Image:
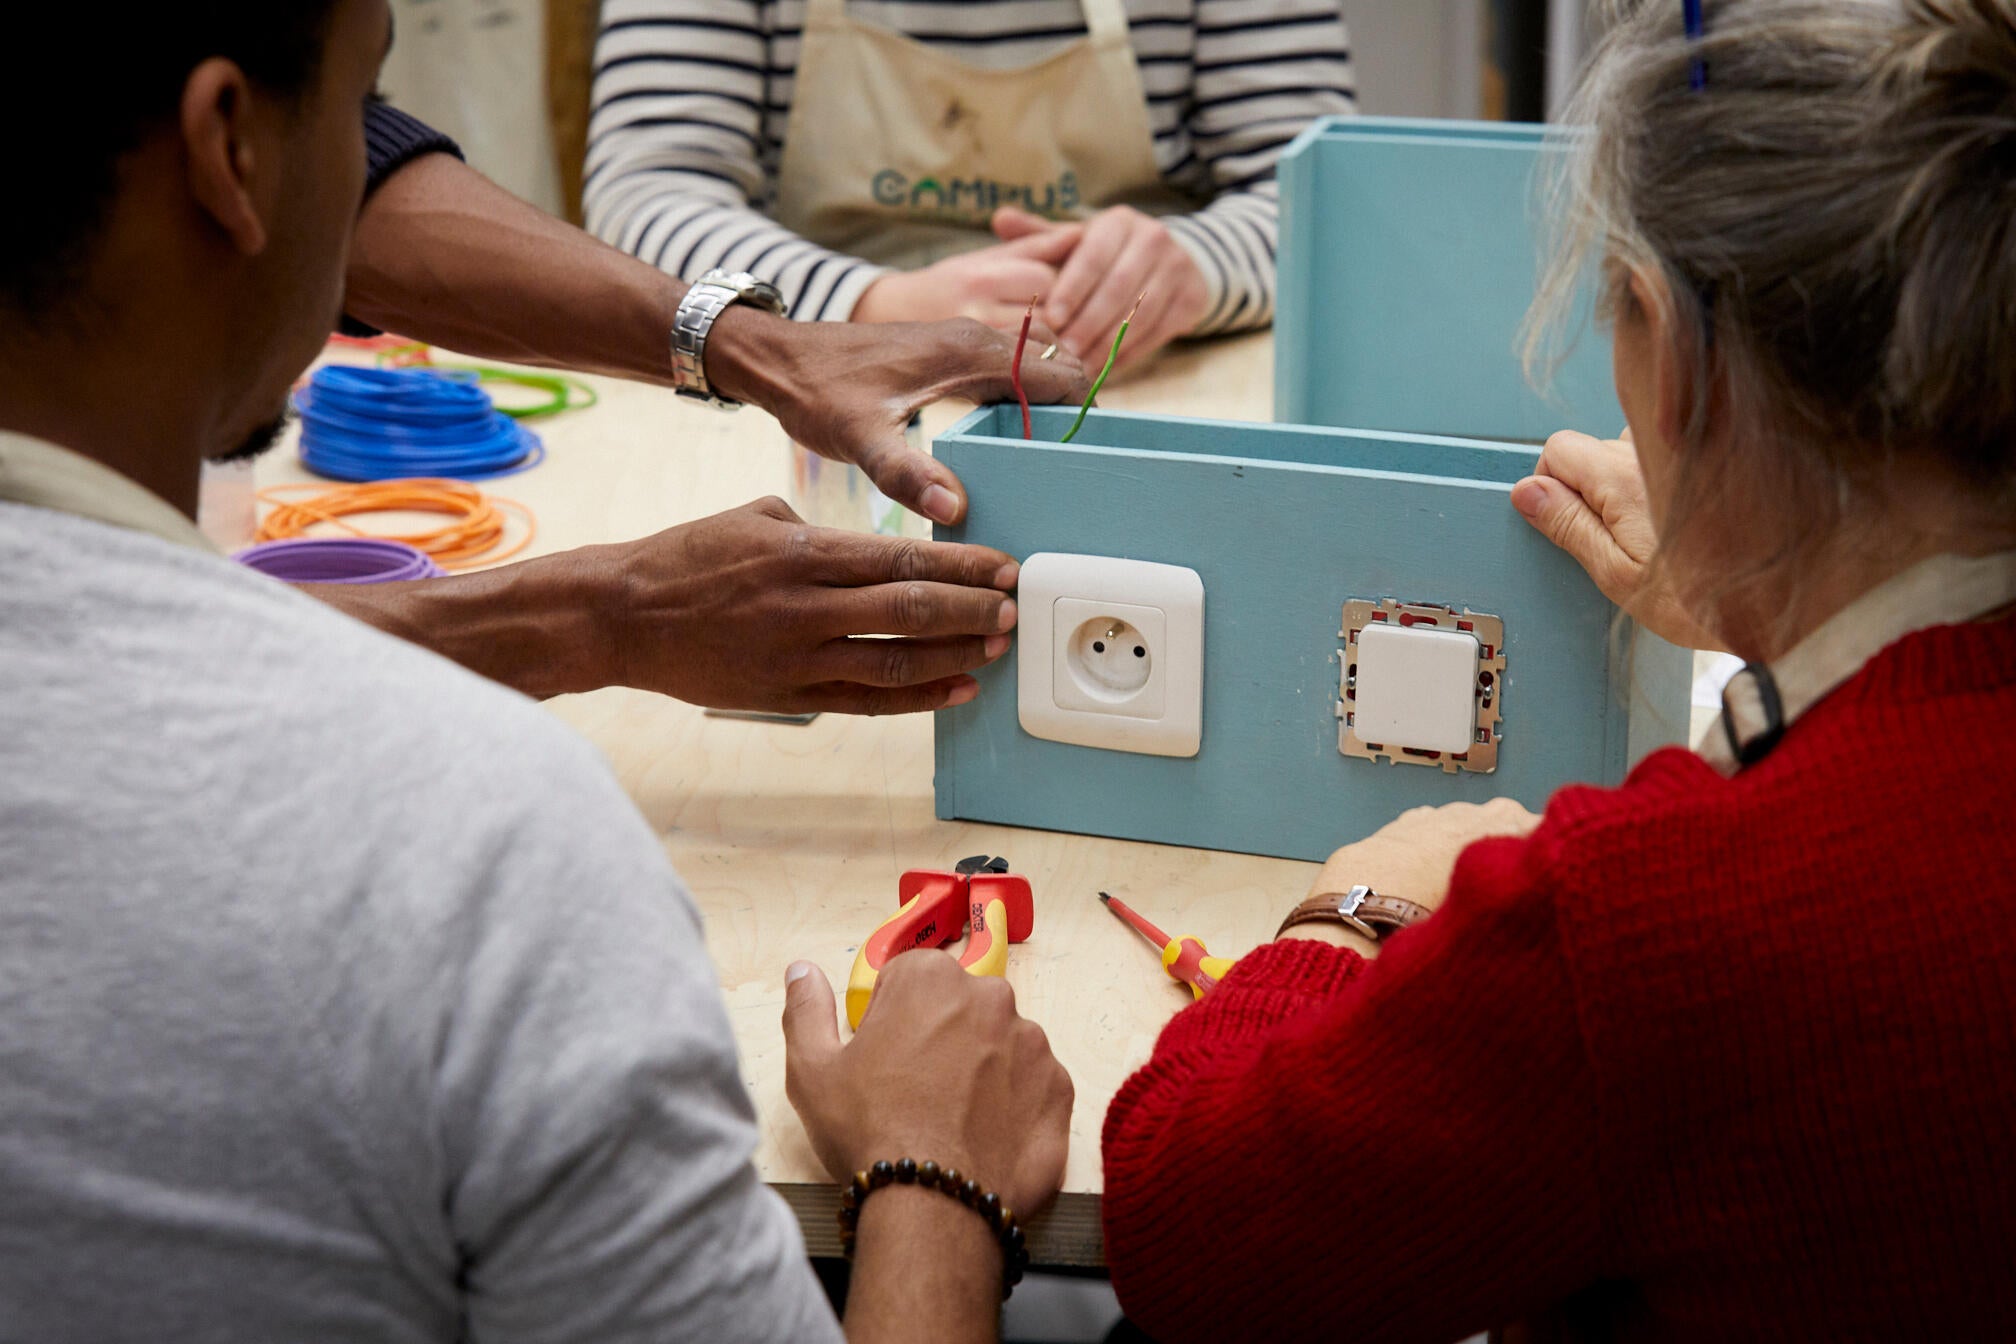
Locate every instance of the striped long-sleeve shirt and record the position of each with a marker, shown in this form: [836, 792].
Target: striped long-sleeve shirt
[692, 98]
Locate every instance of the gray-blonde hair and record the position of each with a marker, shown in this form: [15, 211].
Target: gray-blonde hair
[1833, 218]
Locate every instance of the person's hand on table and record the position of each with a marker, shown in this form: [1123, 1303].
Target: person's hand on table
[848, 391]
[1122, 255]
[1587, 496]
[756, 609]
[943, 1068]
[990, 284]
[1412, 857]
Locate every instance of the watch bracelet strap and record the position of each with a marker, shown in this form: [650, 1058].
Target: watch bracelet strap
[704, 302]
[1375, 917]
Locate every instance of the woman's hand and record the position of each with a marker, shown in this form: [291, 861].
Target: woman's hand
[1122, 256]
[1413, 856]
[992, 285]
[1587, 496]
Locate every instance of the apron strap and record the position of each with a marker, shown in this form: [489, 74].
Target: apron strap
[825, 13]
[1104, 19]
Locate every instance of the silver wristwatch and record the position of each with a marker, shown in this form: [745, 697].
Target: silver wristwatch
[709, 297]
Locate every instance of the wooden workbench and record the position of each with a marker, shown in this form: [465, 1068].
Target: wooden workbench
[792, 837]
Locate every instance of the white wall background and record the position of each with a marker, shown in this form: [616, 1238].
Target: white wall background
[1424, 58]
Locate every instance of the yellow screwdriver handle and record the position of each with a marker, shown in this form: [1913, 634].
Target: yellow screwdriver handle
[1215, 967]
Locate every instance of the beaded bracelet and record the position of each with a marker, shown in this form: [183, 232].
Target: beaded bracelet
[907, 1171]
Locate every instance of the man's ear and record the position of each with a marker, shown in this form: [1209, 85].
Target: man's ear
[217, 110]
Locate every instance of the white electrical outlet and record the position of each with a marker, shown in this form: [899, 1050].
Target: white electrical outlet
[1111, 653]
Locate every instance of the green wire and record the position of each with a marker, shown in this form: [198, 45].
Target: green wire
[561, 391]
[1097, 383]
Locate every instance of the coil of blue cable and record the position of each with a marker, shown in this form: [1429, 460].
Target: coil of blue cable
[385, 424]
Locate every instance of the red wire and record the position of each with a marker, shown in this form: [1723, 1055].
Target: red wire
[1015, 371]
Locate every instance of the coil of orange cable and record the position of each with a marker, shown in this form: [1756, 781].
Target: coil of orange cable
[481, 526]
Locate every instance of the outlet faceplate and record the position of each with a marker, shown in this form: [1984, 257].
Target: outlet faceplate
[1111, 654]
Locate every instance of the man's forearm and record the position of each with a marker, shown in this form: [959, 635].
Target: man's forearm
[444, 255]
[535, 626]
[927, 1272]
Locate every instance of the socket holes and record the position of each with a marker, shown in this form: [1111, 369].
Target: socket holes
[1109, 659]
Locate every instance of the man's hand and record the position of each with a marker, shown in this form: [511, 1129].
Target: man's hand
[1587, 496]
[942, 1069]
[1122, 256]
[991, 285]
[756, 609]
[749, 609]
[847, 391]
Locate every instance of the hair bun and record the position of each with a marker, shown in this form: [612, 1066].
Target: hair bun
[1949, 120]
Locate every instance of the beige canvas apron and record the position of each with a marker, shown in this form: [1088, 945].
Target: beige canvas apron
[900, 154]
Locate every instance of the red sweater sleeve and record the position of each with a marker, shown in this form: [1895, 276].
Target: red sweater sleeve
[1395, 1150]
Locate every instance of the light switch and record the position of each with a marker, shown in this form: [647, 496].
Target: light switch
[1416, 687]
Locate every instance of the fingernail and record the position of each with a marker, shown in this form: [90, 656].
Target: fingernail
[1007, 615]
[996, 645]
[798, 971]
[1529, 497]
[962, 694]
[941, 505]
[1005, 577]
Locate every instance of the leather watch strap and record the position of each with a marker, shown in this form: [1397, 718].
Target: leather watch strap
[1361, 909]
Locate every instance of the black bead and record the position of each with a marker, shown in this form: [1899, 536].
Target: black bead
[927, 1174]
[950, 1180]
[969, 1192]
[906, 1171]
[880, 1175]
[849, 1217]
[989, 1208]
[1016, 1241]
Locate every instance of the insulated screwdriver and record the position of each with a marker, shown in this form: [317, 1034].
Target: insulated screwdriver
[1184, 958]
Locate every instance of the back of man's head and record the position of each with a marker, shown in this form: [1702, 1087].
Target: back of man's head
[89, 83]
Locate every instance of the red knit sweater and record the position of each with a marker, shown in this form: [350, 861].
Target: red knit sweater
[1701, 1059]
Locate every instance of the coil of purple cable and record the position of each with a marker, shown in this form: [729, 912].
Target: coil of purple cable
[339, 560]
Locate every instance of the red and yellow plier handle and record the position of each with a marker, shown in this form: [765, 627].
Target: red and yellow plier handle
[980, 899]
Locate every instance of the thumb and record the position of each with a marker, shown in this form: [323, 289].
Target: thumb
[811, 1020]
[1565, 518]
[1011, 222]
[917, 481]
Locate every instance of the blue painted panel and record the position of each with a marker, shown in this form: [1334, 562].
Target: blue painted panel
[1284, 524]
[1408, 259]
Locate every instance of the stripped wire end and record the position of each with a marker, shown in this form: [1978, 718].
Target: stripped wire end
[1015, 368]
[1106, 372]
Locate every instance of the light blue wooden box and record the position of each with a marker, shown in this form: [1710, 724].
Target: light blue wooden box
[1285, 524]
[1408, 257]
